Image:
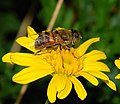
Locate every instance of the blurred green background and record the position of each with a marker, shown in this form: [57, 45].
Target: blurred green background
[93, 18]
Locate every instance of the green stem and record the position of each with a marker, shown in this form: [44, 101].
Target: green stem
[47, 102]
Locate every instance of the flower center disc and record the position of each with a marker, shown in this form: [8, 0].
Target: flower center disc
[63, 62]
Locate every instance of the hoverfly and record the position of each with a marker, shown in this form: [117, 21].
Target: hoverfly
[57, 37]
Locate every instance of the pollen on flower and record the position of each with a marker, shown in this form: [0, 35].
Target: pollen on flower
[32, 44]
[66, 62]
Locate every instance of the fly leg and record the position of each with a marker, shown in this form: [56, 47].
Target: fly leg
[40, 50]
[61, 55]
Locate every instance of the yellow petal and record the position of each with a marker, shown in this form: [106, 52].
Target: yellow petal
[117, 63]
[31, 74]
[94, 56]
[95, 66]
[25, 59]
[61, 82]
[111, 84]
[31, 33]
[65, 92]
[52, 89]
[84, 46]
[58, 63]
[117, 76]
[80, 90]
[89, 77]
[7, 58]
[99, 75]
[27, 43]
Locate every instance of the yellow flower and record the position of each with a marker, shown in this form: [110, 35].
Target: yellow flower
[117, 63]
[65, 66]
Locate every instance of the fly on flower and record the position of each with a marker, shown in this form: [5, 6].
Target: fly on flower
[57, 37]
[65, 66]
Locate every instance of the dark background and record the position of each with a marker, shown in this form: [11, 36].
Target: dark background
[93, 18]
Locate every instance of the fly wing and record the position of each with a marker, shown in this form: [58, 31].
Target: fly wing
[65, 35]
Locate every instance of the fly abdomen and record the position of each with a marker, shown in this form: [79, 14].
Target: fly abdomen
[38, 42]
[41, 41]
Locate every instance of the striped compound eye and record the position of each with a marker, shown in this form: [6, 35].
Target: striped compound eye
[76, 36]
